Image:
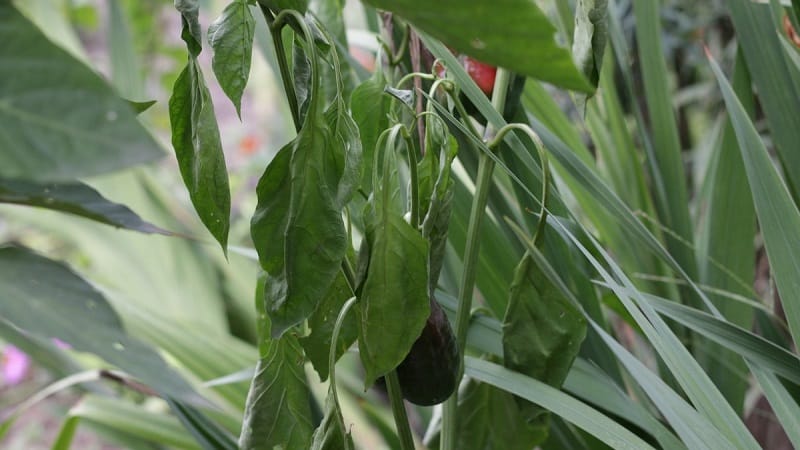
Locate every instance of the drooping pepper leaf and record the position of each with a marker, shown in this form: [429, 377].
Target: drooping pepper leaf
[318, 343]
[542, 331]
[514, 34]
[394, 302]
[297, 227]
[231, 38]
[591, 34]
[190, 19]
[277, 412]
[195, 137]
[437, 217]
[45, 299]
[58, 119]
[74, 198]
[369, 108]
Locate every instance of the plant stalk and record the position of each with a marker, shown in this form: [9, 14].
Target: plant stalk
[399, 411]
[477, 212]
[283, 63]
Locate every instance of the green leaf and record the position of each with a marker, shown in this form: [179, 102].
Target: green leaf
[514, 34]
[542, 330]
[778, 215]
[591, 33]
[48, 300]
[140, 107]
[472, 431]
[195, 137]
[559, 403]
[778, 89]
[58, 119]
[297, 227]
[438, 204]
[394, 302]
[318, 342]
[369, 108]
[277, 412]
[74, 198]
[190, 18]
[231, 38]
[277, 5]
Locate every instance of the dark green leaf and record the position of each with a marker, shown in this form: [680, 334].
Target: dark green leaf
[46, 299]
[191, 34]
[277, 5]
[394, 303]
[591, 33]
[542, 330]
[473, 417]
[206, 432]
[369, 107]
[510, 426]
[58, 119]
[297, 227]
[231, 38]
[514, 34]
[277, 412]
[195, 136]
[317, 344]
[406, 96]
[74, 198]
[439, 204]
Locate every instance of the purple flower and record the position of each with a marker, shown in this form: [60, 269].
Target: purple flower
[14, 365]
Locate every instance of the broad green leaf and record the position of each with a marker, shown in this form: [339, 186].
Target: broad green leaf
[472, 431]
[231, 38]
[369, 107]
[58, 119]
[195, 137]
[48, 300]
[591, 33]
[777, 89]
[277, 5]
[206, 432]
[510, 425]
[277, 412]
[74, 198]
[297, 227]
[394, 303]
[778, 215]
[542, 331]
[318, 342]
[514, 34]
[559, 403]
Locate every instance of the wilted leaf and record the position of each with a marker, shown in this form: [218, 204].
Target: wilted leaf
[369, 107]
[231, 38]
[542, 331]
[591, 34]
[195, 136]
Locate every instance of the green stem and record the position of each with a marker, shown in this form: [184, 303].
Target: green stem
[399, 411]
[283, 63]
[412, 168]
[482, 186]
[332, 363]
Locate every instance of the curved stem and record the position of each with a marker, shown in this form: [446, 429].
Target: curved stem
[482, 186]
[283, 64]
[412, 168]
[332, 361]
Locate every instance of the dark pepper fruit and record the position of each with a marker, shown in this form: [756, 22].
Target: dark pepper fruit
[428, 374]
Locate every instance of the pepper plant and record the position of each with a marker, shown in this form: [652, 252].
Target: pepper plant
[443, 255]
